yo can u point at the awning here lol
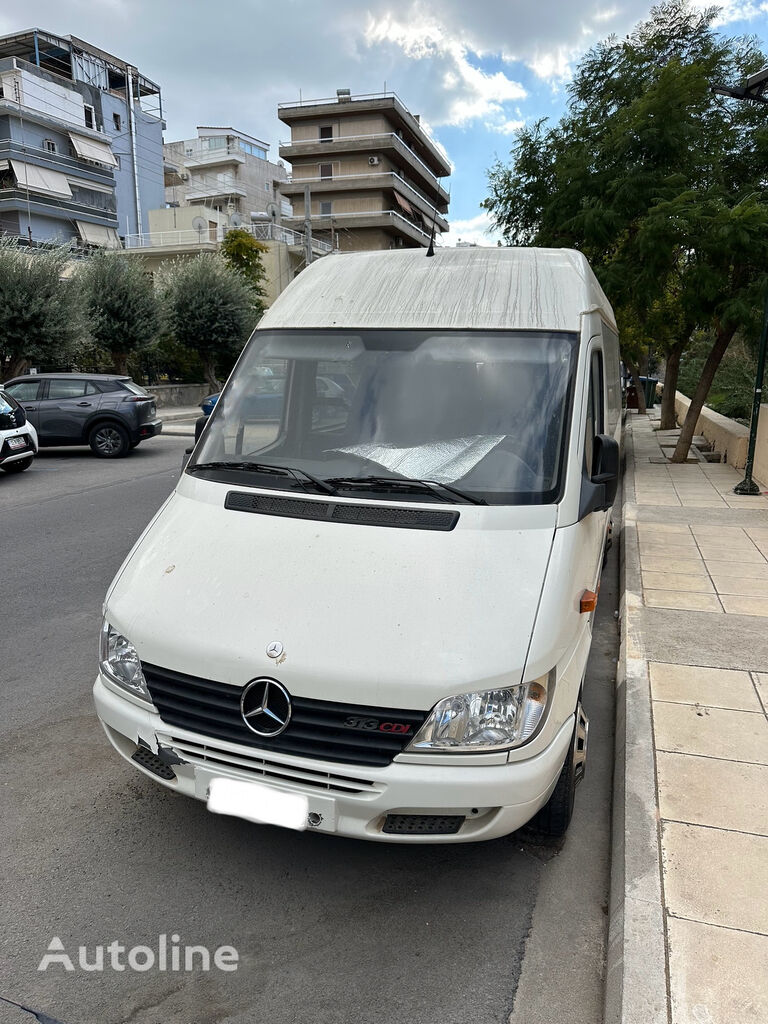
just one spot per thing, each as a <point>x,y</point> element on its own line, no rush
<point>404,204</point>
<point>93,149</point>
<point>107,190</point>
<point>97,234</point>
<point>40,179</point>
<point>3,165</point>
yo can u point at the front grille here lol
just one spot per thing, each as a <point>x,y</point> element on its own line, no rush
<point>423,824</point>
<point>209,755</point>
<point>318,728</point>
<point>340,512</point>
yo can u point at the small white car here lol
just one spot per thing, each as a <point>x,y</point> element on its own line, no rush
<point>18,438</point>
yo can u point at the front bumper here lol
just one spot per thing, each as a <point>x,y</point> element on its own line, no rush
<point>8,454</point>
<point>494,799</point>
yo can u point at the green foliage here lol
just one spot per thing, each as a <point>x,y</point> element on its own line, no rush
<point>209,310</point>
<point>244,253</point>
<point>121,304</point>
<point>657,181</point>
<point>733,387</point>
<point>40,314</point>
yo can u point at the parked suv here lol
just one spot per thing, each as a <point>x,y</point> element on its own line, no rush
<point>110,413</point>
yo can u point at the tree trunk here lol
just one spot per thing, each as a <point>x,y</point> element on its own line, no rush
<point>635,374</point>
<point>209,369</point>
<point>716,353</point>
<point>668,421</point>
<point>16,366</point>
<point>120,362</point>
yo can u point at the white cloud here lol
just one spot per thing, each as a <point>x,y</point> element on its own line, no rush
<point>505,127</point>
<point>735,10</point>
<point>476,230</point>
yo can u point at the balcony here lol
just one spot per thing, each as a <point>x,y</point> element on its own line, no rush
<point>366,144</point>
<point>209,238</point>
<point>375,181</point>
<point>198,153</point>
<point>102,176</point>
<point>388,220</point>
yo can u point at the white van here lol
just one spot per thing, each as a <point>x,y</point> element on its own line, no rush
<point>366,608</point>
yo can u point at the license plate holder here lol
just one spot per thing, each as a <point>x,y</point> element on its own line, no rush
<point>15,443</point>
<point>266,805</point>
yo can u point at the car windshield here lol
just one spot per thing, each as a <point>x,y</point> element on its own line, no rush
<point>483,411</point>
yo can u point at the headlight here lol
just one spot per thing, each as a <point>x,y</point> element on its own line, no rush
<point>120,662</point>
<point>487,720</point>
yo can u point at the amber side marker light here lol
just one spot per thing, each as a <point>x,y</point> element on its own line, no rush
<point>588,601</point>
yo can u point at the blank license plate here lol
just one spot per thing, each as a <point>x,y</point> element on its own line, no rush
<point>255,802</point>
<point>17,442</point>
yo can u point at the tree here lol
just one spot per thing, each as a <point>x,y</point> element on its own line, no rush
<point>40,312</point>
<point>656,181</point>
<point>121,304</point>
<point>244,253</point>
<point>209,309</point>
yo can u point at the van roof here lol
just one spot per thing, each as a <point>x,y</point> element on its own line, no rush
<point>467,288</point>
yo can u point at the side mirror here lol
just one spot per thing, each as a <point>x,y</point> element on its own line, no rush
<point>200,423</point>
<point>598,492</point>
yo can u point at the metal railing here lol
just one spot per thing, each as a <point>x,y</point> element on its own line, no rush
<point>381,138</point>
<point>301,102</point>
<point>13,148</point>
<point>374,174</point>
<point>263,232</point>
<point>325,221</point>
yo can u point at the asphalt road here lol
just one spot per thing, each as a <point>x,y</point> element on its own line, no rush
<point>328,930</point>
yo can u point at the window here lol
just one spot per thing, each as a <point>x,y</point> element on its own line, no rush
<point>90,116</point>
<point>117,164</point>
<point>24,390</point>
<point>326,209</point>
<point>117,121</point>
<point>326,133</point>
<point>326,170</point>
<point>595,419</point>
<point>68,389</point>
<point>49,145</point>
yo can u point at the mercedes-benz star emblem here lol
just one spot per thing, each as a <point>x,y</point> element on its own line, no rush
<point>266,707</point>
<point>275,649</point>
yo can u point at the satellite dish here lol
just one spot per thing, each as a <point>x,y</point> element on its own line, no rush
<point>235,220</point>
<point>200,224</point>
<point>273,211</point>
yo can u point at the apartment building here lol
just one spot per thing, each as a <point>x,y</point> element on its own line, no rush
<point>224,170</point>
<point>374,174</point>
<point>81,157</point>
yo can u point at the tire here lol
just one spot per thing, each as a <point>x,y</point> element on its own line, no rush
<point>109,440</point>
<point>555,816</point>
<point>18,467</point>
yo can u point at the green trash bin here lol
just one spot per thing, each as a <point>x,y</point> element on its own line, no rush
<point>649,388</point>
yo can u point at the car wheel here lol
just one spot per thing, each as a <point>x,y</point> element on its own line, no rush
<point>18,467</point>
<point>109,441</point>
<point>555,816</point>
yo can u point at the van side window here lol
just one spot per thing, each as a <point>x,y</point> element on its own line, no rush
<point>595,408</point>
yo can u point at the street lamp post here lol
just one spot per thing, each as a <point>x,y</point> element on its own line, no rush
<point>754,90</point>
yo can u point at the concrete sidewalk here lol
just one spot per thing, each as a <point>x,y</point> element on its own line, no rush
<point>179,420</point>
<point>688,939</point>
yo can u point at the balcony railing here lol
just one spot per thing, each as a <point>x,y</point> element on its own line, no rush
<point>262,232</point>
<point>56,161</point>
<point>392,175</point>
<point>371,142</point>
<point>327,221</point>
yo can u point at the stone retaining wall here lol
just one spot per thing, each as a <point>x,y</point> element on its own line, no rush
<point>170,395</point>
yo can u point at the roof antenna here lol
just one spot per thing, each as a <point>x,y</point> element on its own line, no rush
<point>431,249</point>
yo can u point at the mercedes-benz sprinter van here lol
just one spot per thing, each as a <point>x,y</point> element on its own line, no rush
<point>366,607</point>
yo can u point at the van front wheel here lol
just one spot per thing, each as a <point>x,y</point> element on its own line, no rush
<point>555,816</point>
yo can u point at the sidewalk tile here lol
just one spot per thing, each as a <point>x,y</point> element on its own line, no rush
<point>746,605</point>
<point>717,975</point>
<point>748,570</point>
<point>692,584</point>
<point>749,587</point>
<point>711,732</point>
<point>687,602</point>
<point>712,876</point>
<point>761,684</point>
<point>711,687</point>
<point>656,562</point>
<point>705,791</point>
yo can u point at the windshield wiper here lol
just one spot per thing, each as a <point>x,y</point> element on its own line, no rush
<point>409,483</point>
<point>268,467</point>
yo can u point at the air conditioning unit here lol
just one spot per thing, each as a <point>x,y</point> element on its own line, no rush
<point>374,161</point>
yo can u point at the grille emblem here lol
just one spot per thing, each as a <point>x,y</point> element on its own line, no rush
<point>266,707</point>
<point>275,649</point>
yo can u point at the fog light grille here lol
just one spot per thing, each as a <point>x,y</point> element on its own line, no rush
<point>423,824</point>
<point>153,763</point>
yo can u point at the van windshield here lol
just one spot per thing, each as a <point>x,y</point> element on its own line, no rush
<point>484,412</point>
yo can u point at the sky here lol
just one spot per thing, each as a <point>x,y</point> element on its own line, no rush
<point>474,70</point>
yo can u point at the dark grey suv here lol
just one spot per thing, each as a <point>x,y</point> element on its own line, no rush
<point>110,413</point>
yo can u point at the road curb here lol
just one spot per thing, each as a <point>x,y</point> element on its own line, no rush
<point>636,962</point>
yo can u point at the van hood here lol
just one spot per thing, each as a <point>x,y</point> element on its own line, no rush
<point>366,614</point>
